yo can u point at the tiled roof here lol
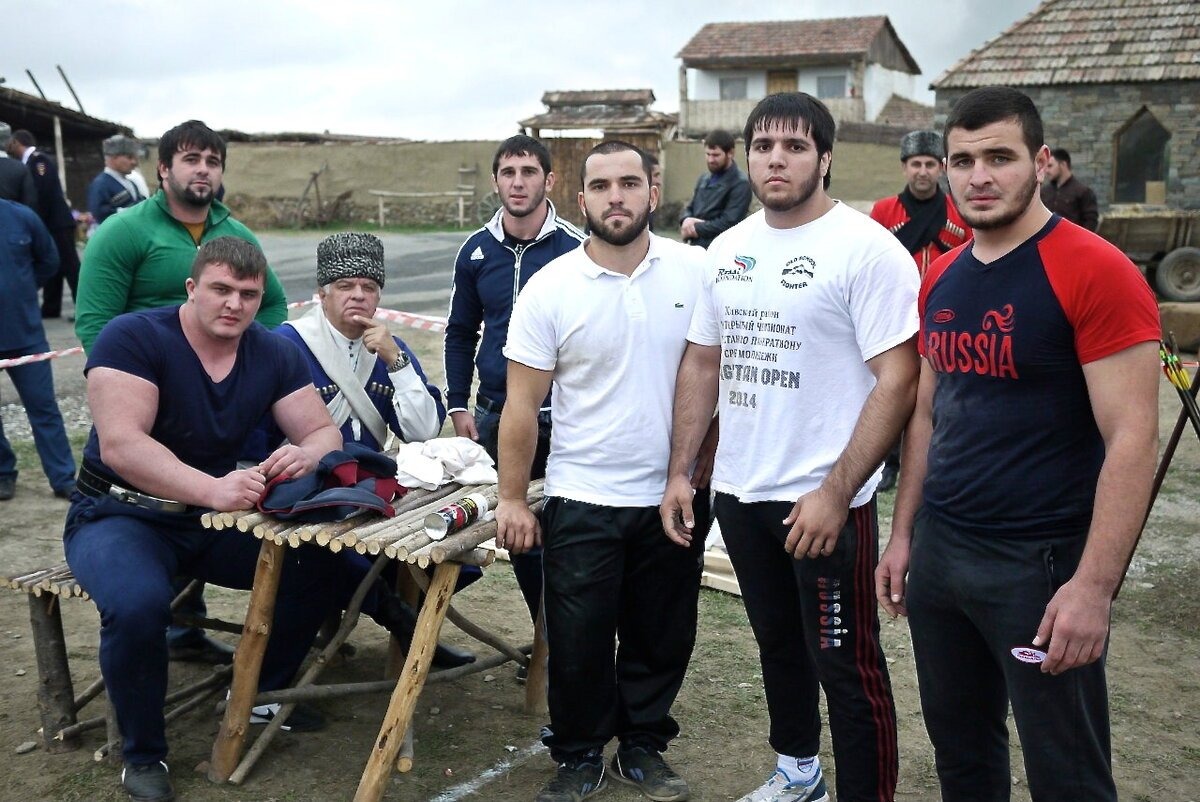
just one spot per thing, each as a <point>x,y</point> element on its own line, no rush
<point>1088,41</point>
<point>611,109</point>
<point>905,113</point>
<point>799,40</point>
<point>590,97</point>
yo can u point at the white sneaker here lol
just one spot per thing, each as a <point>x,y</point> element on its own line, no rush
<point>780,789</point>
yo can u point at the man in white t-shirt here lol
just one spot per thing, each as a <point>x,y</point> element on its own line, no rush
<point>803,339</point>
<point>607,324</point>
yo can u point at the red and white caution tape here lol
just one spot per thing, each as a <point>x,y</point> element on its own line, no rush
<point>16,362</point>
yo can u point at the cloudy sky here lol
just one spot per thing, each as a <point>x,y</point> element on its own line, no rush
<point>437,69</point>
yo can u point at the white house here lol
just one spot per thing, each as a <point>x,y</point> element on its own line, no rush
<point>854,64</point>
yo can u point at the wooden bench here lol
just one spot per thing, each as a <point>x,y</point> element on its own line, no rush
<point>58,706</point>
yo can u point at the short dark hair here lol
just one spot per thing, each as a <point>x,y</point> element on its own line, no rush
<point>1061,155</point>
<point>994,104</point>
<point>245,259</point>
<point>24,137</point>
<point>614,146</point>
<point>799,111</point>
<point>522,145</point>
<point>720,138</point>
<point>192,133</point>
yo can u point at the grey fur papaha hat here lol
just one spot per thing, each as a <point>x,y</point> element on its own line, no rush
<point>349,254</point>
<point>922,143</point>
<point>121,145</point>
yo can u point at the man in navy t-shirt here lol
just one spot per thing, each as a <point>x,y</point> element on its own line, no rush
<point>1035,438</point>
<point>174,393</point>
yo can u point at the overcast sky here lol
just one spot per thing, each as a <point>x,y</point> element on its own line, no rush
<point>437,69</point>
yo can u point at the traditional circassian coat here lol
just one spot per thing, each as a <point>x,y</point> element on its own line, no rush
<point>927,228</point>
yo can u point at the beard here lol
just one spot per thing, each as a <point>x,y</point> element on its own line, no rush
<point>190,196</point>
<point>535,203</point>
<point>1003,217</point>
<point>603,231</point>
<point>797,197</point>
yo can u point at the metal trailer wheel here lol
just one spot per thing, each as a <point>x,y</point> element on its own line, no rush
<point>1178,275</point>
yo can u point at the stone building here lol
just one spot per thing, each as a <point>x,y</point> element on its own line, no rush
<point>1118,85</point>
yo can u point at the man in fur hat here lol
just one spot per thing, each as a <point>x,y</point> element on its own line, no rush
<point>922,216</point>
<point>113,190</point>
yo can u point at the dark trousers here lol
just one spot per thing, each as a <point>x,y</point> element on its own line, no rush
<point>125,557</point>
<point>971,600</point>
<point>817,626</point>
<point>35,386</point>
<point>610,572</point>
<point>527,566</point>
<point>68,268</point>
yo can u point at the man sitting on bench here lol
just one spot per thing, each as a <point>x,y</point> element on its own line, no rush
<point>174,393</point>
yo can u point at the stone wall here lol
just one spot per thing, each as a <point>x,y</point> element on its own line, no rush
<point>265,181</point>
<point>1085,119</point>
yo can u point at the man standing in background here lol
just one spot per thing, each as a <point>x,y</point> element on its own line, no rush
<point>722,195</point>
<point>113,190</point>
<point>1066,195</point>
<point>16,182</point>
<point>491,269</point>
<point>55,212</point>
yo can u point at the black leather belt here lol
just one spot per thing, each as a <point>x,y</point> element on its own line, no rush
<point>92,484</point>
<point>489,406</point>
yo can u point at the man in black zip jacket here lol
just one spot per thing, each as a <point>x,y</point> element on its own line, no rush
<point>490,270</point>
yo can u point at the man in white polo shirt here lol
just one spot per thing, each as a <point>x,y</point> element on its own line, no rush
<point>807,327</point>
<point>607,325</point>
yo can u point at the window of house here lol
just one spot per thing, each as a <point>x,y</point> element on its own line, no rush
<point>733,89</point>
<point>1142,155</point>
<point>831,86</point>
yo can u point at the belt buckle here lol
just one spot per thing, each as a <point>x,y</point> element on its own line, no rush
<point>124,496</point>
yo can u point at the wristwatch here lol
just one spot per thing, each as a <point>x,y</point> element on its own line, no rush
<point>400,363</point>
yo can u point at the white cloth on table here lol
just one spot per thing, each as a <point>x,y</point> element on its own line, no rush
<point>434,463</point>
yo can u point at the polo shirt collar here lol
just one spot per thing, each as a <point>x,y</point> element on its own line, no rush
<point>593,270</point>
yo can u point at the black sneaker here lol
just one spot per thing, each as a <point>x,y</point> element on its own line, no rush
<point>8,488</point>
<point>149,783</point>
<point>303,718</point>
<point>648,771</point>
<point>206,650</point>
<point>575,780</point>
<point>522,674</point>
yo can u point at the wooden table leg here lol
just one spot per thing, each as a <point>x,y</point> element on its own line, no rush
<point>55,695</point>
<point>247,662</point>
<point>535,683</point>
<point>412,678</point>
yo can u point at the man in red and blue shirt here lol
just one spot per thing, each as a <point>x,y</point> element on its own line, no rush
<point>1028,465</point>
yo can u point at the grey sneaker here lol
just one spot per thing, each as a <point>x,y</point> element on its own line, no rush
<point>575,781</point>
<point>781,789</point>
<point>647,770</point>
<point>149,783</point>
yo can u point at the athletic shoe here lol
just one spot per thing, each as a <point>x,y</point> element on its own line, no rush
<point>8,488</point>
<point>205,650</point>
<point>303,718</point>
<point>651,775</point>
<point>148,783</point>
<point>522,674</point>
<point>576,780</point>
<point>780,789</point>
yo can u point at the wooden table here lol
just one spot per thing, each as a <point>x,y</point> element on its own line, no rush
<point>400,538</point>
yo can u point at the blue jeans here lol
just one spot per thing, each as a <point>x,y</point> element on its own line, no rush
<point>527,566</point>
<point>35,386</point>
<point>126,557</point>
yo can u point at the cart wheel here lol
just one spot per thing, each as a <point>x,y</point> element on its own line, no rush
<point>1178,275</point>
<point>486,207</point>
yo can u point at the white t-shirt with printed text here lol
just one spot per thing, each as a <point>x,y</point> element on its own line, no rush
<point>797,313</point>
<point>614,343</point>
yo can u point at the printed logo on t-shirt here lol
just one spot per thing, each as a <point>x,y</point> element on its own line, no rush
<point>798,272</point>
<point>987,352</point>
<point>477,254</point>
<point>741,266</point>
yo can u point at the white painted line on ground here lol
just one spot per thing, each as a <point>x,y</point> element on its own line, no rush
<point>502,767</point>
